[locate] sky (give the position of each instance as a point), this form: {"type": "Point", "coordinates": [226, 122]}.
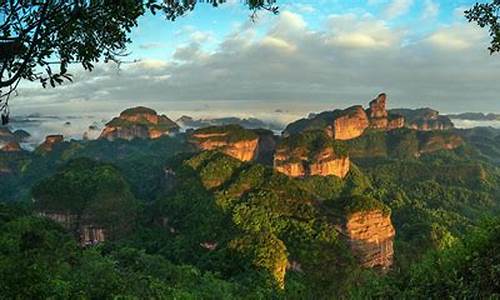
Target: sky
{"type": "Point", "coordinates": [313, 56]}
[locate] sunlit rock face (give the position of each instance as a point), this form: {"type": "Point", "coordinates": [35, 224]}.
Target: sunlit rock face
{"type": "Point", "coordinates": [327, 163]}
{"type": "Point", "coordinates": [371, 237]}
{"type": "Point", "coordinates": [88, 234]}
{"type": "Point", "coordinates": [139, 122]}
{"type": "Point", "coordinates": [232, 140]}
{"type": "Point", "coordinates": [424, 119]}
{"type": "Point", "coordinates": [350, 124]}
{"type": "Point", "coordinates": [50, 142]}
{"type": "Point", "coordinates": [377, 112]}
{"type": "Point", "coordinates": [395, 122]}
{"type": "Point", "coordinates": [311, 153]}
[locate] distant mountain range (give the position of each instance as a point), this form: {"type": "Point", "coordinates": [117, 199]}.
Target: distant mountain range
{"type": "Point", "coordinates": [475, 116]}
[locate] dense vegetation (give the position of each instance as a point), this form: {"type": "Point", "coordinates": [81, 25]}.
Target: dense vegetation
{"type": "Point", "coordinates": [204, 225]}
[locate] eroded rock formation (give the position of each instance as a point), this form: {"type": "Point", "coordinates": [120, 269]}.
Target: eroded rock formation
{"type": "Point", "coordinates": [371, 237]}
{"type": "Point", "coordinates": [424, 119]}
{"type": "Point", "coordinates": [309, 154]}
{"type": "Point", "coordinates": [232, 140]}
{"type": "Point", "coordinates": [350, 124]}
{"type": "Point", "coordinates": [139, 122]}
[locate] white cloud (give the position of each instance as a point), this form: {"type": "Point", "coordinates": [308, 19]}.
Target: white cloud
{"type": "Point", "coordinates": [398, 8]}
{"type": "Point", "coordinates": [346, 62]}
{"type": "Point", "coordinates": [431, 9]}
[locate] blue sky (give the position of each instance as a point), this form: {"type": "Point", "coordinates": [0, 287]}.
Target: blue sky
{"type": "Point", "coordinates": [155, 39]}
{"type": "Point", "coordinates": [313, 56]}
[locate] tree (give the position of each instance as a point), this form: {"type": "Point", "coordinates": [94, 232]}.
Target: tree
{"type": "Point", "coordinates": [487, 15]}
{"type": "Point", "coordinates": [35, 35]}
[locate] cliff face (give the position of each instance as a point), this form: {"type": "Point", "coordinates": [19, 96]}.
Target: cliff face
{"type": "Point", "coordinates": [371, 236]}
{"type": "Point", "coordinates": [350, 124]}
{"type": "Point", "coordinates": [310, 154]}
{"type": "Point", "coordinates": [326, 163]}
{"type": "Point", "coordinates": [435, 142]}
{"type": "Point", "coordinates": [88, 234]}
{"type": "Point", "coordinates": [50, 142]}
{"type": "Point", "coordinates": [139, 122]}
{"type": "Point", "coordinates": [380, 118]}
{"type": "Point", "coordinates": [232, 140]}
{"type": "Point", "coordinates": [424, 119]}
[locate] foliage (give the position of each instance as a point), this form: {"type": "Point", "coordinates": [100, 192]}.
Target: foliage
{"type": "Point", "coordinates": [487, 15]}
{"type": "Point", "coordinates": [94, 193]}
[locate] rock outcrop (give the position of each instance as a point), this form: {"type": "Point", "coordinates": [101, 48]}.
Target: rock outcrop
{"type": "Point", "coordinates": [88, 234]}
{"type": "Point", "coordinates": [349, 124]}
{"type": "Point", "coordinates": [432, 142]}
{"type": "Point", "coordinates": [139, 122]}
{"type": "Point", "coordinates": [311, 153]}
{"type": "Point", "coordinates": [371, 236]}
{"type": "Point", "coordinates": [50, 142]}
{"type": "Point", "coordinates": [424, 119]}
{"type": "Point", "coordinates": [232, 140]}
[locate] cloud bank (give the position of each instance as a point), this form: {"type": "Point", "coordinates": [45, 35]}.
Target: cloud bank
{"type": "Point", "coordinates": [288, 65]}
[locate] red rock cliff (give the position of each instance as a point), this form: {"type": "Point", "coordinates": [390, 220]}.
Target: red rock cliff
{"type": "Point", "coordinates": [351, 124]}
{"type": "Point", "coordinates": [139, 122]}
{"type": "Point", "coordinates": [232, 140]}
{"type": "Point", "coordinates": [310, 154]}
{"type": "Point", "coordinates": [371, 236]}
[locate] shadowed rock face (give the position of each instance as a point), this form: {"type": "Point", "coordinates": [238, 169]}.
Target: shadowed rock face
{"type": "Point", "coordinates": [88, 234]}
{"type": "Point", "coordinates": [139, 122]}
{"type": "Point", "coordinates": [371, 236]}
{"type": "Point", "coordinates": [310, 154]}
{"type": "Point", "coordinates": [51, 141]}
{"type": "Point", "coordinates": [436, 142]}
{"type": "Point", "coordinates": [232, 140]}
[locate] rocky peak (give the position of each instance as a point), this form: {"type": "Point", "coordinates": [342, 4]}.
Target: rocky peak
{"type": "Point", "coordinates": [350, 123]}
{"type": "Point", "coordinates": [51, 141]}
{"type": "Point", "coordinates": [232, 140]}
{"type": "Point", "coordinates": [139, 122]}
{"type": "Point", "coordinates": [371, 237]}
{"type": "Point", "coordinates": [424, 119]}
{"type": "Point", "coordinates": [377, 107]}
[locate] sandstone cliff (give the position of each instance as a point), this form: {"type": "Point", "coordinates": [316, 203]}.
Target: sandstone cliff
{"type": "Point", "coordinates": [232, 140]}
{"type": "Point", "coordinates": [311, 153]}
{"type": "Point", "coordinates": [424, 119]}
{"type": "Point", "coordinates": [139, 122]}
{"type": "Point", "coordinates": [371, 237]}
{"type": "Point", "coordinates": [350, 123]}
